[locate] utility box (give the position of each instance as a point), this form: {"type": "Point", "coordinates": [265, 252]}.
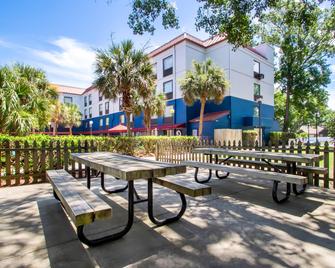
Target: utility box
{"type": "Point", "coordinates": [227, 134]}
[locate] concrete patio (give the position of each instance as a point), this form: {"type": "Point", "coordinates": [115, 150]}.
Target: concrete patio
{"type": "Point", "coordinates": [237, 226]}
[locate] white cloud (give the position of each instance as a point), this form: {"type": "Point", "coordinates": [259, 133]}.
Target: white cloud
{"type": "Point", "coordinates": [70, 62]}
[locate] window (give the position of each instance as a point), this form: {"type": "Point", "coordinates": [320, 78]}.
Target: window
{"type": "Point", "coordinates": [257, 68]}
{"type": "Point", "coordinates": [195, 132]}
{"type": "Point", "coordinates": [168, 89]}
{"type": "Point", "coordinates": [85, 101]}
{"type": "Point", "coordinates": [101, 122]}
{"type": "Point", "coordinates": [256, 111]}
{"type": "Point", "coordinates": [167, 66]}
{"type": "Point", "coordinates": [90, 112]}
{"type": "Point", "coordinates": [122, 119]}
{"type": "Point", "coordinates": [89, 99]}
{"type": "Point", "coordinates": [106, 107]}
{"type": "Point", "coordinates": [169, 111]}
{"type": "Point", "coordinates": [86, 125]}
{"type": "Point", "coordinates": [67, 99]}
{"type": "Point", "coordinates": [100, 96]}
{"type": "Point", "coordinates": [85, 113]}
{"type": "Point", "coordinates": [100, 109]}
{"type": "Point", "coordinates": [107, 121]}
{"type": "Point", "coordinates": [257, 90]}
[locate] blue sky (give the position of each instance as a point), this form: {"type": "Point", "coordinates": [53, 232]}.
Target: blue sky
{"type": "Point", "coordinates": [60, 36]}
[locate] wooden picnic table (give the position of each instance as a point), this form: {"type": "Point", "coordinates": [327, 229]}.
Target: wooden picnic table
{"type": "Point", "coordinates": [129, 169]}
{"type": "Point", "coordinates": [291, 160]}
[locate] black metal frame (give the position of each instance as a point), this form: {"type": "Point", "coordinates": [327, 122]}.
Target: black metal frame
{"type": "Point", "coordinates": [131, 193]}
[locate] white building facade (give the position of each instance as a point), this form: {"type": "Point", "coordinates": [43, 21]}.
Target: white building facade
{"type": "Point", "coordinates": [248, 103]}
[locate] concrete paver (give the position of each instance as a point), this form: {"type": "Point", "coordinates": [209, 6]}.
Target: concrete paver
{"type": "Point", "coordinates": [237, 226]}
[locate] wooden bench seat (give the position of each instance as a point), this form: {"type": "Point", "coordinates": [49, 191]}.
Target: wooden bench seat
{"type": "Point", "coordinates": [82, 206]}
{"type": "Point", "coordinates": [183, 186]}
{"type": "Point", "coordinates": [253, 173]}
{"type": "Point", "coordinates": [276, 177]}
{"type": "Point", "coordinates": [282, 166]}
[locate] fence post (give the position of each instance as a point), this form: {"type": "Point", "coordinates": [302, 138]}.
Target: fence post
{"type": "Point", "coordinates": [66, 156]}
{"type": "Point", "coordinates": [8, 165]}
{"type": "Point", "coordinates": [317, 164]}
{"type": "Point", "coordinates": [326, 164]}
{"type": "Point", "coordinates": [35, 174]}
{"type": "Point", "coordinates": [73, 163]}
{"type": "Point", "coordinates": [26, 162]}
{"type": "Point", "coordinates": [17, 151]}
{"type": "Point", "coordinates": [43, 162]}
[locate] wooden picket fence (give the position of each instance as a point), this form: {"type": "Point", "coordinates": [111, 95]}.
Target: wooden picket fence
{"type": "Point", "coordinates": [175, 152]}
{"type": "Point", "coordinates": [26, 164]}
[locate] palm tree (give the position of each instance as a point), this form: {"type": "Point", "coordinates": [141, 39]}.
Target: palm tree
{"type": "Point", "coordinates": [205, 82]}
{"type": "Point", "coordinates": [25, 97]}
{"type": "Point", "coordinates": [72, 116]}
{"type": "Point", "coordinates": [152, 105]}
{"type": "Point", "coordinates": [56, 115]}
{"type": "Point", "coordinates": [122, 71]}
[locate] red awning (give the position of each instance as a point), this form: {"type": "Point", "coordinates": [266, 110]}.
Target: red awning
{"type": "Point", "coordinates": [210, 116]}
{"type": "Point", "coordinates": [161, 127]}
{"type": "Point", "coordinates": [118, 129]}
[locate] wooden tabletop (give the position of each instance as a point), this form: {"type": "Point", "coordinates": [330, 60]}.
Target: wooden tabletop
{"type": "Point", "coordinates": [285, 157]}
{"type": "Point", "coordinates": [127, 167]}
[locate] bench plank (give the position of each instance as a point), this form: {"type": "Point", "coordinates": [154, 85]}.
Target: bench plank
{"type": "Point", "coordinates": [254, 173]}
{"type": "Point", "coordinates": [183, 186]}
{"type": "Point", "coordinates": [81, 204]}
{"type": "Point", "coordinates": [316, 170]}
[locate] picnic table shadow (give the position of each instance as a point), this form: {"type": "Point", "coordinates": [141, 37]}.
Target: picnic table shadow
{"type": "Point", "coordinates": [141, 243]}
{"type": "Point", "coordinates": [148, 246]}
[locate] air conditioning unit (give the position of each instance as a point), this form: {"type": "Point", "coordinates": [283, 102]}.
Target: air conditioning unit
{"type": "Point", "coordinates": [258, 76]}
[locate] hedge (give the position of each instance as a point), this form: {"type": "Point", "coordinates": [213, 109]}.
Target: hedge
{"type": "Point", "coordinates": [279, 137]}
{"type": "Point", "coordinates": [137, 145]}
{"type": "Point", "coordinates": [249, 136]}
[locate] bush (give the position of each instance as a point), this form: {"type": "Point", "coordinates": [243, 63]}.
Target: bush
{"type": "Point", "coordinates": [137, 145]}
{"type": "Point", "coordinates": [249, 136]}
{"type": "Point", "coordinates": [279, 137]}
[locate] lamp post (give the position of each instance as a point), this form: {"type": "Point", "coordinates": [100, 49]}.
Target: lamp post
{"type": "Point", "coordinates": [91, 127]}
{"type": "Point", "coordinates": [172, 111]}
{"type": "Point", "coordinates": [259, 103]}
{"type": "Point", "coordinates": [317, 116]}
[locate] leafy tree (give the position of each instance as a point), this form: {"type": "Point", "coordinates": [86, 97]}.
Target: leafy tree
{"type": "Point", "coordinates": [151, 105]}
{"type": "Point", "coordinates": [237, 19]}
{"type": "Point", "coordinates": [205, 82]}
{"type": "Point", "coordinates": [303, 32]}
{"type": "Point", "coordinates": [124, 72]}
{"type": "Point", "coordinates": [25, 98]}
{"type": "Point", "coordinates": [72, 116]}
{"type": "Point", "coordinates": [330, 123]}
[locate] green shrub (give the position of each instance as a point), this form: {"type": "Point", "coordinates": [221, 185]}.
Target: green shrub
{"type": "Point", "coordinates": [279, 137]}
{"type": "Point", "coordinates": [137, 145]}
{"type": "Point", "coordinates": [249, 136]}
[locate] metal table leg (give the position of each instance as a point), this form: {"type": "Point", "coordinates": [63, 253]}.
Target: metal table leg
{"type": "Point", "coordinates": [150, 207]}
{"type": "Point", "coordinates": [88, 177]}
{"type": "Point", "coordinates": [97, 241]}
{"type": "Point", "coordinates": [111, 191]}
{"type": "Point", "coordinates": [294, 186]}
{"type": "Point", "coordinates": [221, 162]}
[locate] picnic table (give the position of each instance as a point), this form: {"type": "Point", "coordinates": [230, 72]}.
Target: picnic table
{"type": "Point", "coordinates": [125, 168]}
{"type": "Point", "coordinates": [290, 161]}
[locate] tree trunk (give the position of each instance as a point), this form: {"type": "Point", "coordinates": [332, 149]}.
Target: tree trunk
{"type": "Point", "coordinates": [148, 128]}
{"type": "Point", "coordinates": [70, 128]}
{"type": "Point", "coordinates": [287, 110]}
{"type": "Point", "coordinates": [54, 129]}
{"type": "Point", "coordinates": [202, 110]}
{"type": "Point", "coordinates": [128, 124]}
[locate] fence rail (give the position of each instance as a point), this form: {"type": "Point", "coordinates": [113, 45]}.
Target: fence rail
{"type": "Point", "coordinates": [177, 151]}
{"type": "Point", "coordinates": [26, 164]}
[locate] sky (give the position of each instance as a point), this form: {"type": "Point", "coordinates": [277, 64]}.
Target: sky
{"type": "Point", "coordinates": [61, 36]}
